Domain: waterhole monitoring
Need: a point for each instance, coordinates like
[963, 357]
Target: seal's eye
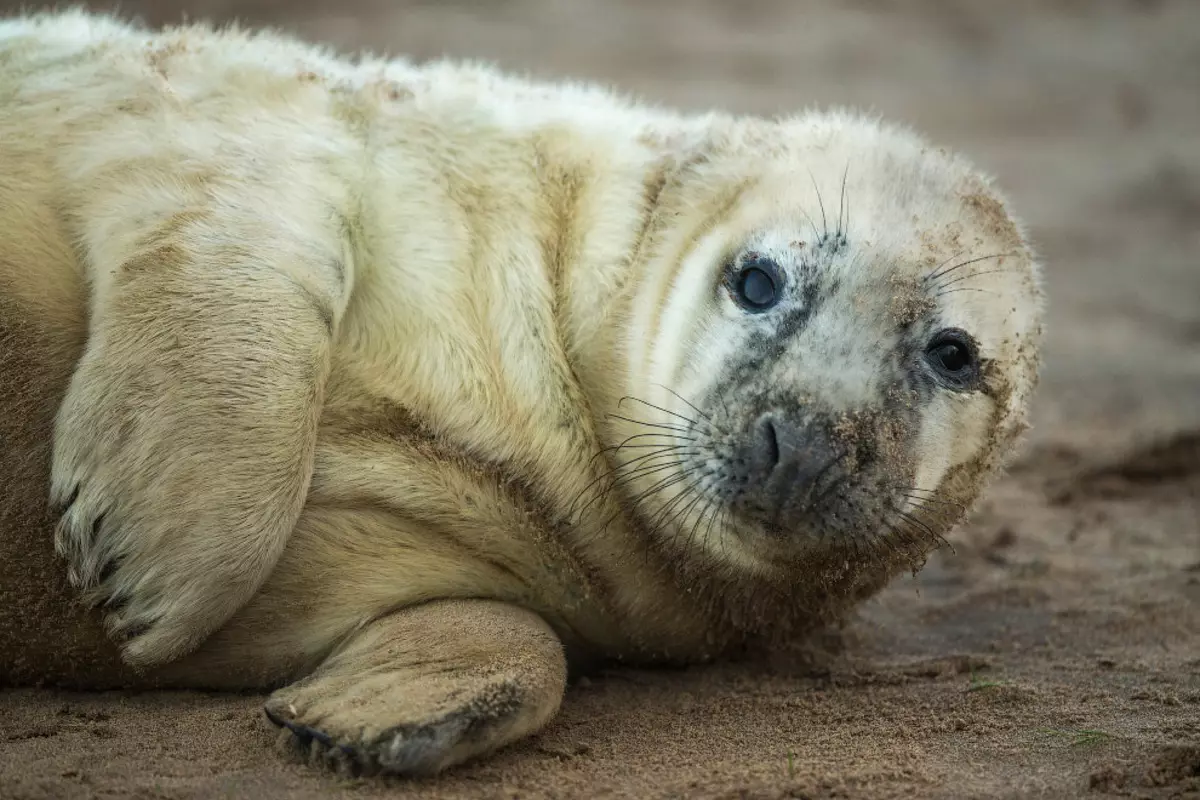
[952, 357]
[951, 353]
[756, 285]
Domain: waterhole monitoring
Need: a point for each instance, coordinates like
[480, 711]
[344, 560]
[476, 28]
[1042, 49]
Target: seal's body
[401, 382]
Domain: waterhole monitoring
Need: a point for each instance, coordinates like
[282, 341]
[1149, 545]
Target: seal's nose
[790, 456]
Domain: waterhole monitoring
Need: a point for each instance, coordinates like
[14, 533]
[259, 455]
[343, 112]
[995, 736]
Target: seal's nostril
[794, 462]
[771, 444]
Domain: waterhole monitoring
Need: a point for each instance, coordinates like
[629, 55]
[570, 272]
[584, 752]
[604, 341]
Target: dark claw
[299, 731]
[111, 603]
[134, 631]
[96, 523]
[303, 732]
[115, 603]
[110, 567]
[320, 736]
[306, 734]
[62, 506]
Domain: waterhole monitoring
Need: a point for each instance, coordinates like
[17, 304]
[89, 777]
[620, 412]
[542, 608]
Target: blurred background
[1086, 110]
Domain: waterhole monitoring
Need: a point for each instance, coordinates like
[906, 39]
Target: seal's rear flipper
[425, 688]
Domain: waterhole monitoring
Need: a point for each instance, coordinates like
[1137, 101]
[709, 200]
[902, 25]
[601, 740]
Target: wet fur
[317, 347]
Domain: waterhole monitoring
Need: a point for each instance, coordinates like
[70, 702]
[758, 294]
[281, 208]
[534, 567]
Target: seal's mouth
[810, 477]
[781, 485]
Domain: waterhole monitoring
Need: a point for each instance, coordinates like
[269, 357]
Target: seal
[398, 390]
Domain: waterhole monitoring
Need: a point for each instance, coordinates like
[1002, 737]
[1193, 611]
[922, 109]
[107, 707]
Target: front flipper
[185, 442]
[426, 688]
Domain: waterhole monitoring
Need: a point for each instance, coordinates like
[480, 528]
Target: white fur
[510, 272]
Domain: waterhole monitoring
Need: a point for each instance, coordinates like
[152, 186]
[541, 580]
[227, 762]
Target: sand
[1056, 651]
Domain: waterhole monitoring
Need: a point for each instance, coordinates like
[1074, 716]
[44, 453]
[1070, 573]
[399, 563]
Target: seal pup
[395, 389]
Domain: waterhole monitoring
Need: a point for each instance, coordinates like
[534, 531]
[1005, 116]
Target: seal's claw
[319, 748]
[400, 750]
[60, 504]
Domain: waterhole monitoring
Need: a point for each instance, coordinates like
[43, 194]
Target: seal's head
[832, 350]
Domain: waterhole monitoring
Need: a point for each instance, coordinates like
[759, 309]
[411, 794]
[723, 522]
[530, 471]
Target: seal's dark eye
[952, 357]
[951, 353]
[755, 285]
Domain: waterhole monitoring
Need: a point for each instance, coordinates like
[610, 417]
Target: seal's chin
[842, 513]
[855, 524]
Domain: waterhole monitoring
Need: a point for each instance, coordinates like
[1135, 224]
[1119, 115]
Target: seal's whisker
[917, 522]
[965, 289]
[680, 517]
[701, 426]
[946, 511]
[919, 498]
[671, 451]
[644, 446]
[725, 521]
[925, 491]
[939, 519]
[698, 519]
[706, 494]
[924, 527]
[969, 276]
[696, 488]
[659, 447]
[897, 533]
[686, 419]
[716, 506]
[844, 207]
[643, 471]
[689, 404]
[659, 425]
[683, 492]
[812, 224]
[625, 444]
[668, 451]
[674, 437]
[674, 480]
[938, 516]
[943, 272]
[683, 400]
[821, 203]
[908, 535]
[921, 493]
[640, 471]
[936, 269]
[663, 484]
